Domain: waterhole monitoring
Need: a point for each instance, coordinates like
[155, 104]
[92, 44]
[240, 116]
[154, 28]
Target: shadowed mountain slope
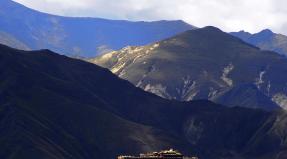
[52, 106]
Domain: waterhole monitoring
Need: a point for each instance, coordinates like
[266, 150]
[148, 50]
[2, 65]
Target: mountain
[85, 37]
[266, 40]
[204, 63]
[52, 106]
[9, 40]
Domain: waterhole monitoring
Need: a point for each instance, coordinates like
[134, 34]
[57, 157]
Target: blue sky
[229, 15]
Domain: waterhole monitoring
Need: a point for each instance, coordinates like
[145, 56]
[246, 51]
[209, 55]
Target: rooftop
[165, 154]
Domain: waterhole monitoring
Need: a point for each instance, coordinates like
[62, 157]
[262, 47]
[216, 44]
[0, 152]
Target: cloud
[229, 15]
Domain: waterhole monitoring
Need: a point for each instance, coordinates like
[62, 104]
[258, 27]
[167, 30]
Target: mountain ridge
[265, 39]
[75, 36]
[52, 106]
[205, 64]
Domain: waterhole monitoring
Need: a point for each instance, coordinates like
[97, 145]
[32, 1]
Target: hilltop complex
[166, 154]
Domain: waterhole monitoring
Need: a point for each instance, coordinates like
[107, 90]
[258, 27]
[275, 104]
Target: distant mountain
[52, 106]
[204, 64]
[9, 40]
[266, 40]
[85, 37]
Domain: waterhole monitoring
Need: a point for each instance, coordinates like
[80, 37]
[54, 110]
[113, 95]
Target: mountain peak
[197, 57]
[204, 30]
[266, 32]
[243, 31]
[244, 35]
[208, 34]
[211, 28]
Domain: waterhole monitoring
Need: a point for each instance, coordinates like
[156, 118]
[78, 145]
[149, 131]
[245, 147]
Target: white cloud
[229, 15]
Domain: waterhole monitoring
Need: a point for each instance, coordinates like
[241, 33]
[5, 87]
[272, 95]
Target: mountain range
[266, 40]
[52, 106]
[89, 37]
[154, 86]
[204, 63]
[24, 28]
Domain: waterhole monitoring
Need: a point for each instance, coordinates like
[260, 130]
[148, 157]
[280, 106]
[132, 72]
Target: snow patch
[212, 93]
[188, 85]
[122, 73]
[108, 55]
[131, 50]
[188, 90]
[154, 46]
[141, 81]
[226, 71]
[268, 88]
[259, 80]
[191, 97]
[136, 58]
[126, 49]
[152, 69]
[193, 130]
[138, 49]
[281, 100]
[118, 67]
[157, 89]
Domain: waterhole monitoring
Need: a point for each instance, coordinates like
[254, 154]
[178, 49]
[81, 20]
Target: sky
[229, 15]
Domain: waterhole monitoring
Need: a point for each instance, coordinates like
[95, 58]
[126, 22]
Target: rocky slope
[266, 40]
[84, 37]
[55, 107]
[204, 64]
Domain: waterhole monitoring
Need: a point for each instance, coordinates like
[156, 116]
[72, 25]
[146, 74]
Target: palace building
[167, 154]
